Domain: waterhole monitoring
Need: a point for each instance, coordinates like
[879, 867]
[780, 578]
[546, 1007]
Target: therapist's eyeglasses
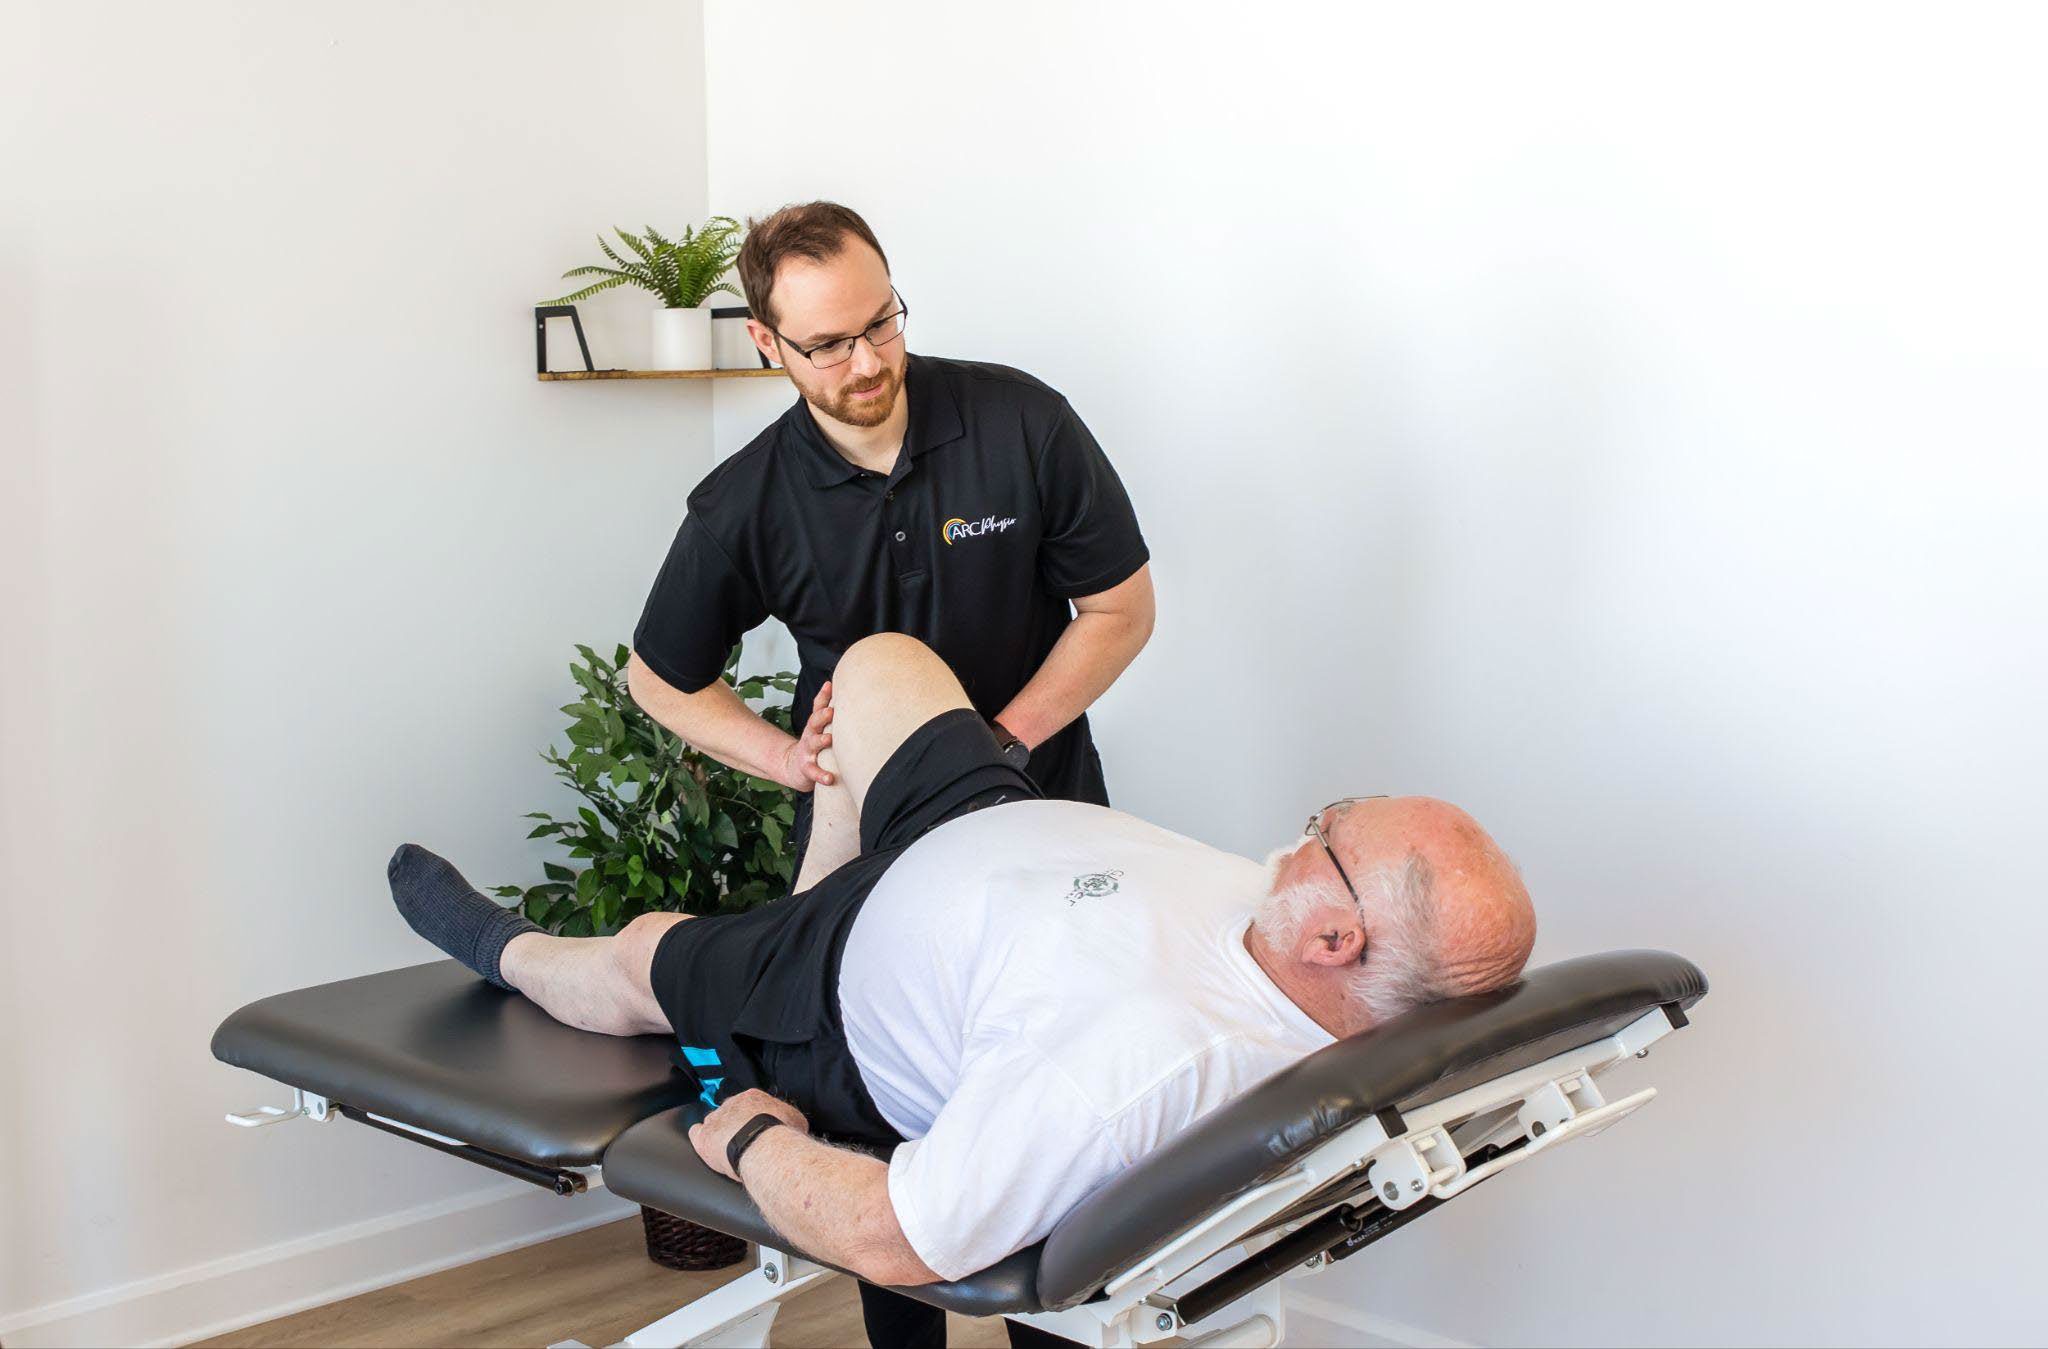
[839, 350]
[1315, 827]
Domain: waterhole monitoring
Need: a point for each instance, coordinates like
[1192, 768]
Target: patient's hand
[801, 770]
[710, 1137]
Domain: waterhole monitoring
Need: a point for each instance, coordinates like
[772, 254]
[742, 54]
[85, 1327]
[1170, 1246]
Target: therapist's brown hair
[817, 230]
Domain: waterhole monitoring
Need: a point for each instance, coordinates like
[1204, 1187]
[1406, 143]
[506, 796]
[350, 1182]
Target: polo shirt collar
[934, 421]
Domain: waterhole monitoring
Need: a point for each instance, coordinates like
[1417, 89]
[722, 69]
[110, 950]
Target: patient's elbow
[899, 1270]
[886, 1255]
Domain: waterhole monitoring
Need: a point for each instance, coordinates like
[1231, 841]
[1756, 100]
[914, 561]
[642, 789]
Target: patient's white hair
[1402, 967]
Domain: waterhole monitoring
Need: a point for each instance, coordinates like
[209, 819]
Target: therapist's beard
[844, 407]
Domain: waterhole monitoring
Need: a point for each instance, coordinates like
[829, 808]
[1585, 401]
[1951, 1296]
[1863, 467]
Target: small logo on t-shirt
[957, 529]
[1093, 886]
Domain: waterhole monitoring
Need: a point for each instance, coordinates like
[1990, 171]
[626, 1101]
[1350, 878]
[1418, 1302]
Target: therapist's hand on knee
[801, 770]
[710, 1137]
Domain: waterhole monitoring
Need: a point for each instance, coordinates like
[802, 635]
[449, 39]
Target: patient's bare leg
[596, 983]
[835, 828]
[885, 687]
[601, 984]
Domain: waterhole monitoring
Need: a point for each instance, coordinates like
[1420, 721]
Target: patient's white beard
[1282, 914]
[1399, 976]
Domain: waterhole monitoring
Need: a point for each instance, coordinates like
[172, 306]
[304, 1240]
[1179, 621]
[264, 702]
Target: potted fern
[684, 272]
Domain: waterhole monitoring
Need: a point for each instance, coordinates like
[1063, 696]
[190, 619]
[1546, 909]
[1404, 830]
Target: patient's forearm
[832, 1204]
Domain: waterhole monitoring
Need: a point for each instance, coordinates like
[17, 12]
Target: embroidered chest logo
[957, 529]
[1093, 886]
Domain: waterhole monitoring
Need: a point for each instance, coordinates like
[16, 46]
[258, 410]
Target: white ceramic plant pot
[682, 339]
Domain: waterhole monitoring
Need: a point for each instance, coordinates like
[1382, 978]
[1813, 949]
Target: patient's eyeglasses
[1315, 827]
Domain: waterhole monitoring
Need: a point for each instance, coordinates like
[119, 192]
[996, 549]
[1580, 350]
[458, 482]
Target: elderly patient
[1010, 998]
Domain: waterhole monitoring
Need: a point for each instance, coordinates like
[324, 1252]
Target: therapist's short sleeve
[700, 606]
[1013, 1149]
[1090, 540]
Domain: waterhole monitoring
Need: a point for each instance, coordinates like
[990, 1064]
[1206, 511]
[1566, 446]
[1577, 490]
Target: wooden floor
[595, 1286]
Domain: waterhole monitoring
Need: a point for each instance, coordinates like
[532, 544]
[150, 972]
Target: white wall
[1626, 424]
[295, 552]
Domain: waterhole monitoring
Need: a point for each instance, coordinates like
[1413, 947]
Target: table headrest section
[436, 1047]
[1426, 1055]
[654, 1163]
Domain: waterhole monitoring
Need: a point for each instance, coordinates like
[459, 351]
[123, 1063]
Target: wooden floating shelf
[659, 374]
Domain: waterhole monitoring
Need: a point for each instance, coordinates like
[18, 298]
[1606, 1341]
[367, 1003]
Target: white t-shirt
[1039, 994]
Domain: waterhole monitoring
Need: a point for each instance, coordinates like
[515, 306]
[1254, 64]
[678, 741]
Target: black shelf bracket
[541, 314]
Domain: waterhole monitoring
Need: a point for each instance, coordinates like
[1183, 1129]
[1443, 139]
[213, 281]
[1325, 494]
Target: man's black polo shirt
[1001, 508]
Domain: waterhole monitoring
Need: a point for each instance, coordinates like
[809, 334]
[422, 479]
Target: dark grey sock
[450, 912]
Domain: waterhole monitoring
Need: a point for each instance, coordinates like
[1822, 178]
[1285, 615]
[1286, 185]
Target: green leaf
[724, 832]
[694, 799]
[579, 296]
[555, 871]
[634, 242]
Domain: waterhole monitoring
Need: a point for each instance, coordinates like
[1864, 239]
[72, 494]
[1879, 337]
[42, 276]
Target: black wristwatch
[744, 1139]
[1015, 752]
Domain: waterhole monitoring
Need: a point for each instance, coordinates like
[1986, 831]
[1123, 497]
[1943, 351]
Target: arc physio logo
[956, 528]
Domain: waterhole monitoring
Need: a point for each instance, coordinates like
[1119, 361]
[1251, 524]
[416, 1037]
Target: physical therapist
[962, 503]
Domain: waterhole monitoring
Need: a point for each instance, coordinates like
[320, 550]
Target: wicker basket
[678, 1243]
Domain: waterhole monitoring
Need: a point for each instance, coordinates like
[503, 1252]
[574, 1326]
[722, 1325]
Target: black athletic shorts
[754, 997]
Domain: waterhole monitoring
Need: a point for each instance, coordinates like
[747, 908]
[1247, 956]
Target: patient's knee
[884, 657]
[633, 947]
[892, 667]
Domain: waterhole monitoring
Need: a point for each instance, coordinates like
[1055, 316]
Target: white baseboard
[1317, 1321]
[256, 1286]
[243, 1290]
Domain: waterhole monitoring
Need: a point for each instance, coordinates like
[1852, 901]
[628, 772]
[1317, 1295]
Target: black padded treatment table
[1317, 1163]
